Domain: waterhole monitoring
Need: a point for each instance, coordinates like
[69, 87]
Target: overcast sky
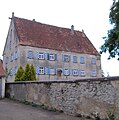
[90, 15]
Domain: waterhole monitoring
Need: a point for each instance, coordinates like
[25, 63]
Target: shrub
[19, 74]
[28, 74]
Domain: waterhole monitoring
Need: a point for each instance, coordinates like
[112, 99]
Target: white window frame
[66, 72]
[41, 70]
[41, 56]
[93, 73]
[66, 58]
[52, 57]
[75, 72]
[82, 73]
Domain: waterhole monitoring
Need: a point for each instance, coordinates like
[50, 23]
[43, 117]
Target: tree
[33, 73]
[19, 74]
[111, 43]
[27, 73]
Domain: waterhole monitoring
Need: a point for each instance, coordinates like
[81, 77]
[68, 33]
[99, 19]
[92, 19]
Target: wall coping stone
[100, 79]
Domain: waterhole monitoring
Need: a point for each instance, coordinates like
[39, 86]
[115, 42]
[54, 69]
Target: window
[40, 56]
[66, 58]
[30, 54]
[11, 72]
[93, 73]
[82, 73]
[41, 70]
[12, 57]
[14, 70]
[93, 61]
[52, 57]
[74, 59]
[66, 72]
[75, 72]
[6, 59]
[15, 55]
[82, 61]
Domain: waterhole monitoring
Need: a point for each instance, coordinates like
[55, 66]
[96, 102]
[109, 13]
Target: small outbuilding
[2, 80]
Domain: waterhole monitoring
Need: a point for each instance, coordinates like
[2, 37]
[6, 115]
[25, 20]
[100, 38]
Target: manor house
[56, 52]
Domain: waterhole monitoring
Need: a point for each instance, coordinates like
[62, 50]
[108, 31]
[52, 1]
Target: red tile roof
[32, 33]
[2, 72]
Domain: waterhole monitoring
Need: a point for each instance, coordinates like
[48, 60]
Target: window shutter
[45, 56]
[46, 70]
[93, 61]
[79, 72]
[37, 55]
[71, 72]
[62, 71]
[82, 61]
[69, 58]
[55, 56]
[37, 70]
[55, 71]
[48, 56]
[62, 57]
[74, 59]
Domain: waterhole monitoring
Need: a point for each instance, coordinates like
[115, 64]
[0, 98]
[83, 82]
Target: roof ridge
[47, 24]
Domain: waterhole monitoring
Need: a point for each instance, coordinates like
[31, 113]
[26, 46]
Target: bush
[19, 74]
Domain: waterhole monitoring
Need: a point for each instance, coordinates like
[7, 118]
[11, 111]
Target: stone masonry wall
[84, 96]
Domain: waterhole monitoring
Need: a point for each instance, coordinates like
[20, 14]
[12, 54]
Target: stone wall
[84, 96]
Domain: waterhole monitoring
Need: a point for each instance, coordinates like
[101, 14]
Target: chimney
[72, 29]
[83, 34]
[12, 14]
[33, 20]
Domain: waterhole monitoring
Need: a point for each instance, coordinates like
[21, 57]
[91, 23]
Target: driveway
[12, 110]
